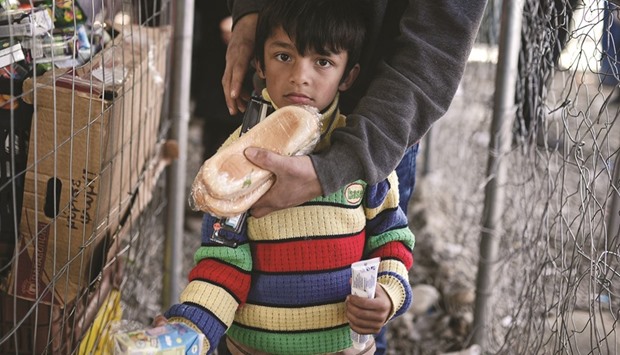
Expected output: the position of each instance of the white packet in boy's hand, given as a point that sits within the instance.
(363, 284)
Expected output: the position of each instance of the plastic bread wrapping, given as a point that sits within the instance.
(228, 184)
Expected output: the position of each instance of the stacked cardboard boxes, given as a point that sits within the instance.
(94, 130)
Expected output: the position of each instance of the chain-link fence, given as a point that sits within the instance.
(554, 278)
(83, 144)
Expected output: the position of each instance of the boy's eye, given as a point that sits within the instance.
(323, 63)
(283, 57)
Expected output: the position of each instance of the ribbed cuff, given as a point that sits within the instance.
(199, 319)
(398, 290)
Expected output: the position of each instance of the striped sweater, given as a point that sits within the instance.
(282, 288)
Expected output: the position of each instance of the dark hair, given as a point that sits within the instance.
(324, 26)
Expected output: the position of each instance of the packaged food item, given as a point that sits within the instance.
(363, 284)
(169, 339)
(228, 184)
(65, 12)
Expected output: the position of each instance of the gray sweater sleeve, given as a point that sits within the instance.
(413, 87)
(240, 8)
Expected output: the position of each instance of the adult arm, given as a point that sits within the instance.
(413, 87)
(240, 51)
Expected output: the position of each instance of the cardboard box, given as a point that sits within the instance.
(43, 329)
(36, 328)
(94, 130)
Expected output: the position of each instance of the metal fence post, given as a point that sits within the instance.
(503, 118)
(613, 223)
(180, 114)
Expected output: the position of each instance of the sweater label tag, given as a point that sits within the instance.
(353, 193)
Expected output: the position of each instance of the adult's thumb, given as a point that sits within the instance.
(263, 158)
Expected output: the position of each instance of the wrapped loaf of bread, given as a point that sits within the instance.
(229, 184)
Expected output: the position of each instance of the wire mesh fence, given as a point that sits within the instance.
(83, 146)
(555, 283)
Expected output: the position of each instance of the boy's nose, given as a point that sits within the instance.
(301, 73)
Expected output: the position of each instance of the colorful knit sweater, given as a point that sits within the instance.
(282, 288)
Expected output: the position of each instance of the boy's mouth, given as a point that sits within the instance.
(298, 99)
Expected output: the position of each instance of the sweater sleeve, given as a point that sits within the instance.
(414, 86)
(240, 8)
(389, 237)
(218, 284)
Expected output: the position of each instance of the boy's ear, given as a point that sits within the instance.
(350, 78)
(259, 70)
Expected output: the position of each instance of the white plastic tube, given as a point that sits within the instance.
(363, 284)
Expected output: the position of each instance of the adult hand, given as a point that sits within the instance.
(296, 181)
(368, 315)
(238, 55)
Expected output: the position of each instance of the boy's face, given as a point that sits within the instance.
(293, 79)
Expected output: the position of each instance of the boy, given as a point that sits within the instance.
(285, 287)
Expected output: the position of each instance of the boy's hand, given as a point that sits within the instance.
(159, 321)
(368, 315)
(296, 181)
